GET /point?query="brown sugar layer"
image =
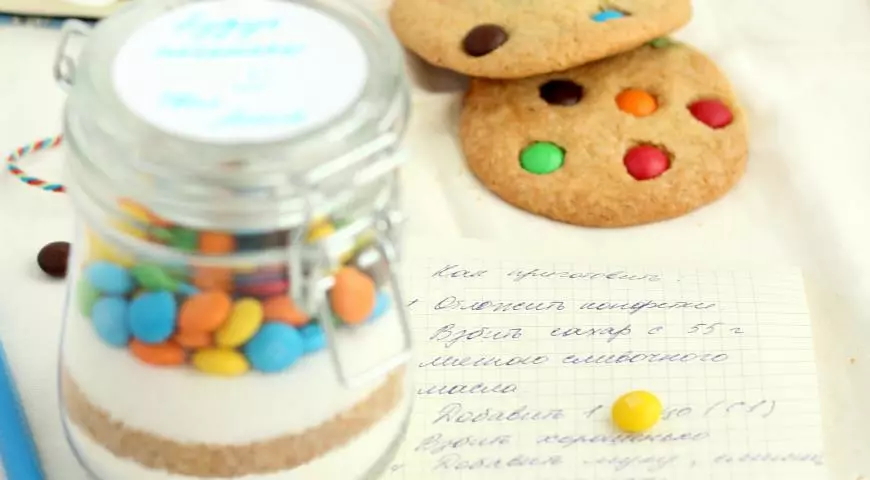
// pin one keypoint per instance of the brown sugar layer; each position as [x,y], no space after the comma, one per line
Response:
[228,461]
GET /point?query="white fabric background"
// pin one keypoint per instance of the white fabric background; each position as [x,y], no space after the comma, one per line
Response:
[802,68]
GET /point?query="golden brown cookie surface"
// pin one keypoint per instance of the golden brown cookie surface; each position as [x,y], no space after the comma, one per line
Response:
[520,38]
[644,136]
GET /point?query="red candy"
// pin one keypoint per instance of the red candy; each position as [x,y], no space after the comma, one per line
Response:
[645,162]
[712,113]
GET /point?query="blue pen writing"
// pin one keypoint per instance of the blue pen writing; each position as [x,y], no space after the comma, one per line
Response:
[17,449]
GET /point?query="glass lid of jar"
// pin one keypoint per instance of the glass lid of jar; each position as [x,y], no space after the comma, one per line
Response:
[249,108]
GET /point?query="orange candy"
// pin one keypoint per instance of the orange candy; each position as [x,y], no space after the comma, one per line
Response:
[216,242]
[204,312]
[637,102]
[193,339]
[163,355]
[213,278]
[352,298]
[281,308]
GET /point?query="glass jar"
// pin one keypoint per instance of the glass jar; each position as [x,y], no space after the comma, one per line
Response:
[233,308]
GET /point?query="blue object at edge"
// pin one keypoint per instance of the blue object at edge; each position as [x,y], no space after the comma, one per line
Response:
[17,448]
[606,15]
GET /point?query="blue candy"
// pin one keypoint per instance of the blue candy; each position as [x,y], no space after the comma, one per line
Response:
[187,289]
[152,316]
[382,304]
[313,338]
[109,278]
[109,316]
[606,15]
[275,347]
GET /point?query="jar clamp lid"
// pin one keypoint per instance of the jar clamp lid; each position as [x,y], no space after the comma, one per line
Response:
[244,115]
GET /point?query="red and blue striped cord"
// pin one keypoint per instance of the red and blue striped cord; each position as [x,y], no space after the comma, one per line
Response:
[21,152]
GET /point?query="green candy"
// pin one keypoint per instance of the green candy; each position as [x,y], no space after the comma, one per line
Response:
[661,42]
[162,235]
[152,277]
[184,239]
[86,296]
[542,158]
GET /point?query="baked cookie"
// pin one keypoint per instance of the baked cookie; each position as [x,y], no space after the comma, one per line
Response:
[644,136]
[521,38]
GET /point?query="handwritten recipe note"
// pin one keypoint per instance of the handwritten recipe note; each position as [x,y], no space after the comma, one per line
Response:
[518,363]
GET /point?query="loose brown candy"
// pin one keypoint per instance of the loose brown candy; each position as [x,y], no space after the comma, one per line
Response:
[54,258]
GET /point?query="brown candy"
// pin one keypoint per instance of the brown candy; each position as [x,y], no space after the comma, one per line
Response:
[370,262]
[54,258]
[561,92]
[484,39]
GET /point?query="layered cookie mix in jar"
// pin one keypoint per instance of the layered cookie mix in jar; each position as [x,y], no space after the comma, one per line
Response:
[233,307]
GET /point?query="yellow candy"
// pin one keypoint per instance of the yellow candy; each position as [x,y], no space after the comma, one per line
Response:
[134,210]
[242,325]
[98,249]
[220,361]
[130,229]
[636,411]
[319,231]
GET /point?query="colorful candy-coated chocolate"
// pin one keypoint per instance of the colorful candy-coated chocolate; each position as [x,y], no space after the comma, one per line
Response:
[86,296]
[313,338]
[541,158]
[193,340]
[636,411]
[216,243]
[187,289]
[274,348]
[152,277]
[352,297]
[109,317]
[260,276]
[213,278]
[281,308]
[220,361]
[204,312]
[184,239]
[165,354]
[607,15]
[382,304]
[109,278]
[134,210]
[244,321]
[661,42]
[264,289]
[129,228]
[100,250]
[646,162]
[320,231]
[636,102]
[712,113]
[370,261]
[152,317]
[160,235]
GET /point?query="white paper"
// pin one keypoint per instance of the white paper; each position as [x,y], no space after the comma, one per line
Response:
[729,353]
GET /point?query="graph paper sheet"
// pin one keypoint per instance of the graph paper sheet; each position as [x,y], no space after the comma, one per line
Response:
[519,361]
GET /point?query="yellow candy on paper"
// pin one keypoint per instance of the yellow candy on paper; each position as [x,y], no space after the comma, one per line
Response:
[244,321]
[636,411]
[99,249]
[220,361]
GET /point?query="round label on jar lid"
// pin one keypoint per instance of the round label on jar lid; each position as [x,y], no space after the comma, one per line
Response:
[232,71]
